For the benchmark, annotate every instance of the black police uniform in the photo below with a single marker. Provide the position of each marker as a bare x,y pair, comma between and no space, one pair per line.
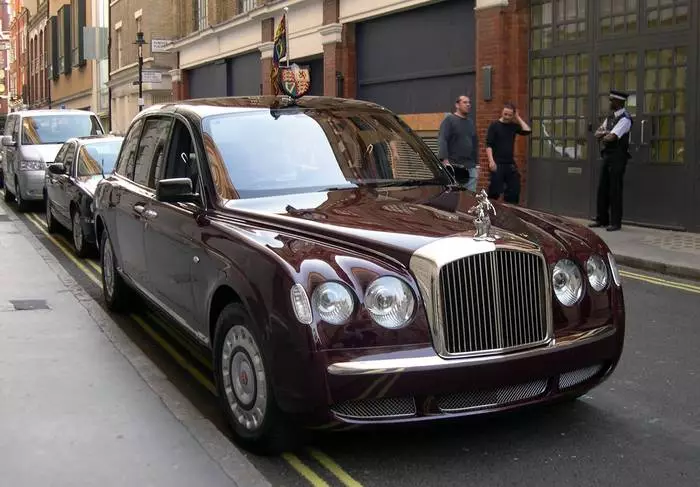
615,155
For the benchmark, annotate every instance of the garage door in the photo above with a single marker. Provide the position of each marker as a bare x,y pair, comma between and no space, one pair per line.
418,61
208,80
244,75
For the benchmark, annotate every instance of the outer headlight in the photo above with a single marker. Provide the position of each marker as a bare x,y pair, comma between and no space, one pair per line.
567,282
597,271
31,166
390,302
333,302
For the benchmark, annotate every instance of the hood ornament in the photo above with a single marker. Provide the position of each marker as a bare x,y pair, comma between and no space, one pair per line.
482,220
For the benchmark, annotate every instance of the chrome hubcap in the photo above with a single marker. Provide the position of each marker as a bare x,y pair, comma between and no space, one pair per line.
108,269
77,231
244,378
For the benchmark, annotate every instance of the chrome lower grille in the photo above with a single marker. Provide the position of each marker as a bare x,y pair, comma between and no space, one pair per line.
377,408
576,377
464,401
493,301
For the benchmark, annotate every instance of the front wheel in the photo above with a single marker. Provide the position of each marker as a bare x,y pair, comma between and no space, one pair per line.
243,385
114,289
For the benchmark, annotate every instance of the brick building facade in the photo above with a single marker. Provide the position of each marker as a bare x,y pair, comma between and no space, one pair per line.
155,20
555,60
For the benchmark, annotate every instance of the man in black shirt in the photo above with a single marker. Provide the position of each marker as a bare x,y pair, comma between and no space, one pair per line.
500,146
458,143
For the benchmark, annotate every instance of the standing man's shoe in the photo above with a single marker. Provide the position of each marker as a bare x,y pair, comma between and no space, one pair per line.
613,228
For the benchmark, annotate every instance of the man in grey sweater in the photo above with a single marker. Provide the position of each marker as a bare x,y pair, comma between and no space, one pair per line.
459,144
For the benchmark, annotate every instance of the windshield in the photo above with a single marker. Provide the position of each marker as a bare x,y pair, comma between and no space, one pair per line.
275,152
56,129
94,154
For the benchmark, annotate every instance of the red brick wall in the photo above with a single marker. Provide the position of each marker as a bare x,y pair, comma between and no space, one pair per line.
268,35
340,56
502,41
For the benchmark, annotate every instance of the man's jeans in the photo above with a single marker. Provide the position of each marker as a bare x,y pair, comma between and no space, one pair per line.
467,177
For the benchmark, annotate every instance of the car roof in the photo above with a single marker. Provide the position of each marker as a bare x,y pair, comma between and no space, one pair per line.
91,139
204,107
52,111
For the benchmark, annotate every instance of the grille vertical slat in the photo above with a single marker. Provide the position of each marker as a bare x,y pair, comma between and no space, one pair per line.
493,301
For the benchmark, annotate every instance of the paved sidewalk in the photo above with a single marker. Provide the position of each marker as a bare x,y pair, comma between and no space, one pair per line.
663,251
80,405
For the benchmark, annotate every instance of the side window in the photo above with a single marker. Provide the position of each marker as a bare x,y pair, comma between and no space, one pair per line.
149,160
182,157
69,158
61,153
127,156
15,129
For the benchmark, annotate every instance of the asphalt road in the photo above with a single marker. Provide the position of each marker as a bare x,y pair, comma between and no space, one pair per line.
640,428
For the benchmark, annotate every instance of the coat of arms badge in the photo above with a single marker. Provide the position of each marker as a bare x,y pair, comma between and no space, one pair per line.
294,81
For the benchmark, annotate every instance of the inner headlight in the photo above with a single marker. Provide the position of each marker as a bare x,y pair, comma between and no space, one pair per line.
597,272
333,302
390,302
567,282
31,165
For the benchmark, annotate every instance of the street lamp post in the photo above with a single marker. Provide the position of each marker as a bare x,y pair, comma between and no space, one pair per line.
140,42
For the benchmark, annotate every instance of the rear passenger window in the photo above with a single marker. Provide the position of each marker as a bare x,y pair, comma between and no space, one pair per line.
125,165
150,158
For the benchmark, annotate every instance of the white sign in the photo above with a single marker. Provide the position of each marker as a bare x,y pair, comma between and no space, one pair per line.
152,77
159,45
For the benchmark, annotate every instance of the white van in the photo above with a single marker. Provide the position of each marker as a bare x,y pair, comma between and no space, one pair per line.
30,143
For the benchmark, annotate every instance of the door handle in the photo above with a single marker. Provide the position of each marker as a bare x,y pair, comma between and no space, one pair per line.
150,214
644,124
139,209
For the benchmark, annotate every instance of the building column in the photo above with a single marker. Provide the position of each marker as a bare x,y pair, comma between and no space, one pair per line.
339,62
179,81
266,51
502,40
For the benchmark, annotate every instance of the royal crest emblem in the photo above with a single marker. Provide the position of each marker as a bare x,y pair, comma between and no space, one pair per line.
482,220
294,81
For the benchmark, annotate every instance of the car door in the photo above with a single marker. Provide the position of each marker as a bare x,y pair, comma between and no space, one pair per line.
172,234
60,198
11,129
128,200
52,182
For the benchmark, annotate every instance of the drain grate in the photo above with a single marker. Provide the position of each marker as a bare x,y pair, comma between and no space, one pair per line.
29,304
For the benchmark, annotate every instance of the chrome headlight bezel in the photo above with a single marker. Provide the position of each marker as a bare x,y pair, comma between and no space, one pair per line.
567,273
402,309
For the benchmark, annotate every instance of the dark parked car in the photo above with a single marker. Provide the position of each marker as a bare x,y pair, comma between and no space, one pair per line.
338,275
70,184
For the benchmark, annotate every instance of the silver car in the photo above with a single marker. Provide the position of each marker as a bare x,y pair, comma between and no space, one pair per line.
31,140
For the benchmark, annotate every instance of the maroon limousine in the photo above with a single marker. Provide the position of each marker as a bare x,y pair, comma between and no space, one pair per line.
337,274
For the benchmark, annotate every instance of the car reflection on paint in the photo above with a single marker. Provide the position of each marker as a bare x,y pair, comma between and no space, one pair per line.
70,183
327,261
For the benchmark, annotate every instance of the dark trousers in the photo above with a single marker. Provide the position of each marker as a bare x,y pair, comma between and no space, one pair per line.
505,180
612,173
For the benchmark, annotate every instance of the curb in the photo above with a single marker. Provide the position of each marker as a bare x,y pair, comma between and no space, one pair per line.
660,267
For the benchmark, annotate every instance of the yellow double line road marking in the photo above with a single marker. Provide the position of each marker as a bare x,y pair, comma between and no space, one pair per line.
661,282
93,272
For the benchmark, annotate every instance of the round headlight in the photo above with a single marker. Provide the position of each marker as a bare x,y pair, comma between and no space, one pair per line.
597,272
333,302
390,302
567,282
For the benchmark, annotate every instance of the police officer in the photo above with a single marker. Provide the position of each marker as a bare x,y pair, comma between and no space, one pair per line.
614,135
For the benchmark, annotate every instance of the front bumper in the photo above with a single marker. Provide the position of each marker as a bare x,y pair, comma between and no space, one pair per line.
417,385
31,184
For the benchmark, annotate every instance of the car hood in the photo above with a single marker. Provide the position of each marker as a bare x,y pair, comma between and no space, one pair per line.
399,221
41,152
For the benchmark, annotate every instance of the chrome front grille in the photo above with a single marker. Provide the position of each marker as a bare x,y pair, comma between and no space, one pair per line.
493,301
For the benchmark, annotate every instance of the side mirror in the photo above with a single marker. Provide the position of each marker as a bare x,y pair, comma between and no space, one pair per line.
175,190
57,169
7,141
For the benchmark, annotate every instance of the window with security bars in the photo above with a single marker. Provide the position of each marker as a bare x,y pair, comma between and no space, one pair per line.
617,72
667,13
558,98
246,5
665,76
557,22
